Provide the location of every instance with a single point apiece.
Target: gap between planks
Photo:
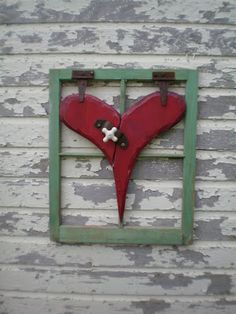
(110, 297)
(105, 24)
(132, 270)
(162, 183)
(163, 213)
(46, 241)
(199, 152)
(204, 91)
(139, 57)
(225, 124)
(54, 53)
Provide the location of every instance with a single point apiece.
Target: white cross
(109, 134)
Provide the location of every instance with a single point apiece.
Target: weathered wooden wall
(38, 275)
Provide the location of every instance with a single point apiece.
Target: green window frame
(123, 235)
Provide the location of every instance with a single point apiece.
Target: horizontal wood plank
(211, 135)
(100, 194)
(214, 135)
(220, 166)
(214, 11)
(24, 102)
(34, 69)
(122, 39)
(24, 163)
(210, 166)
(117, 281)
(208, 226)
(33, 101)
(200, 255)
(21, 303)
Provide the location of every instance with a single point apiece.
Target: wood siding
(52, 278)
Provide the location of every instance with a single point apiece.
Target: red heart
(81, 118)
(140, 124)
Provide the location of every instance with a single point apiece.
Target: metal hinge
(163, 78)
(83, 77)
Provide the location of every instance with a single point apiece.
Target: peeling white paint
(33, 69)
(173, 11)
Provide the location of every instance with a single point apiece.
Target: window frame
(123, 235)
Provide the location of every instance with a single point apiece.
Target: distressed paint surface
(23, 304)
(214, 135)
(33, 101)
(143, 305)
(200, 255)
(210, 166)
(28, 222)
(33, 69)
(100, 194)
(24, 163)
(67, 279)
(214, 11)
(21, 102)
(125, 39)
(102, 281)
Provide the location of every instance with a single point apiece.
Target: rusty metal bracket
(122, 139)
(99, 124)
(163, 78)
(83, 77)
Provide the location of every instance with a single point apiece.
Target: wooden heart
(142, 122)
(81, 118)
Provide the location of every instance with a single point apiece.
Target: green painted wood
(189, 166)
(64, 74)
(123, 74)
(135, 74)
(125, 235)
(54, 158)
(138, 235)
(122, 96)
